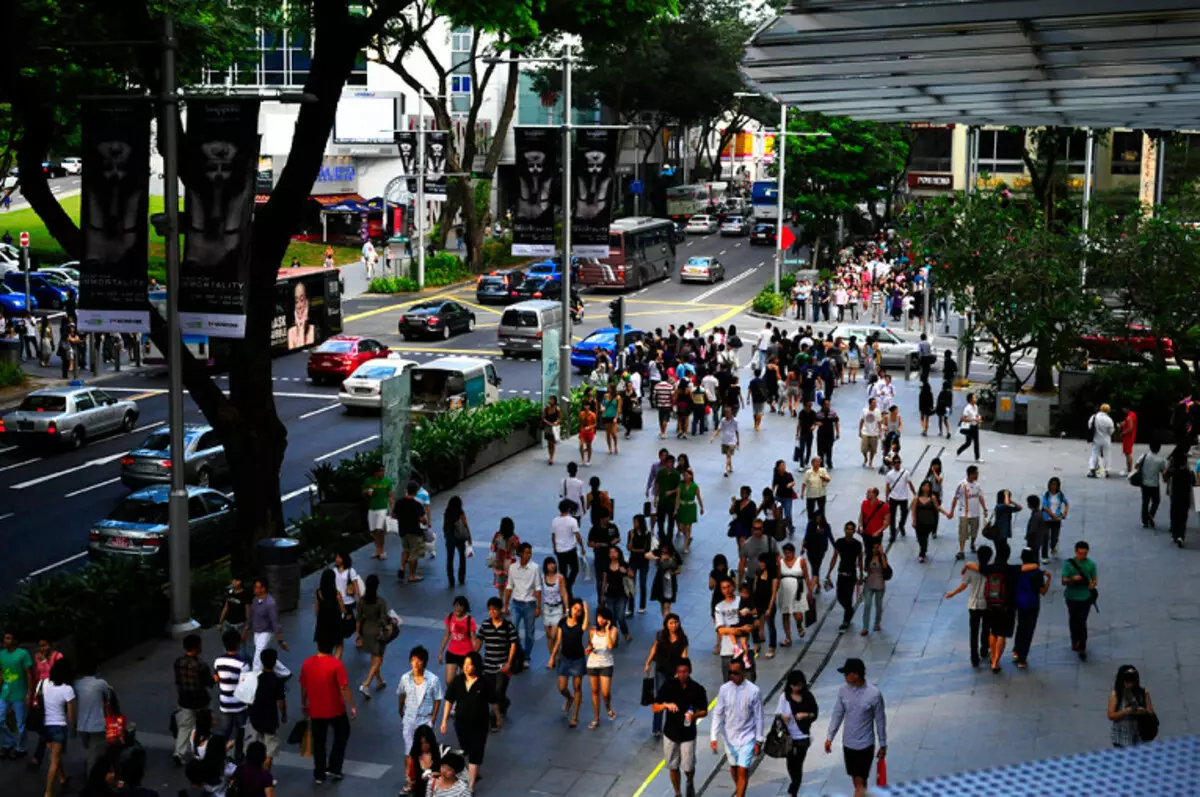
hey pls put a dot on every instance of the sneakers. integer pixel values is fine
(843, 627)
(1045, 560)
(1054, 552)
(364, 691)
(958, 557)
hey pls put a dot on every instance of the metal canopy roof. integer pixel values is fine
(1079, 63)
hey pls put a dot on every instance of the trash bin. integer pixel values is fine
(278, 560)
(10, 351)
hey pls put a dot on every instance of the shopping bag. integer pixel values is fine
(881, 772)
(306, 744)
(810, 614)
(647, 691)
(298, 731)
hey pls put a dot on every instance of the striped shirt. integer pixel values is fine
(497, 644)
(228, 670)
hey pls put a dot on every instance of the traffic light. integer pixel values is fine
(616, 312)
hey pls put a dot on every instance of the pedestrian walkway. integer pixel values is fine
(944, 716)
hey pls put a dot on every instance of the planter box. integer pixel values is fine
(500, 450)
(350, 516)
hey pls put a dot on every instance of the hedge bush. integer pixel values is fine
(441, 269)
(768, 301)
(1148, 391)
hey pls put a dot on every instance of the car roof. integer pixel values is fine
(347, 338)
(159, 493)
(70, 390)
(428, 304)
(535, 304)
(456, 363)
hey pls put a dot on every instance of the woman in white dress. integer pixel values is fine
(795, 585)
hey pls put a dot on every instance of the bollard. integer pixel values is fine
(908, 368)
(137, 350)
(118, 346)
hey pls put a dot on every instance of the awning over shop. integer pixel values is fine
(341, 203)
(1079, 63)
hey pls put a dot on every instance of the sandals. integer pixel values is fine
(787, 643)
(612, 715)
(593, 725)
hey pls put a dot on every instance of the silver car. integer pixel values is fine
(361, 390)
(68, 416)
(893, 350)
(138, 526)
(204, 460)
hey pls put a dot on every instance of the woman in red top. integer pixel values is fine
(43, 660)
(1128, 438)
(459, 639)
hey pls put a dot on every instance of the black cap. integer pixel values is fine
(855, 666)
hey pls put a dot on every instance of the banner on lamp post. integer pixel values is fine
(222, 163)
(406, 143)
(537, 163)
(114, 217)
(591, 214)
(436, 150)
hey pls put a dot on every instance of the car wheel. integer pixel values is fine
(404, 335)
(77, 439)
(127, 423)
(446, 332)
(471, 324)
(204, 478)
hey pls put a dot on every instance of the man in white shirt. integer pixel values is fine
(737, 721)
(900, 492)
(802, 292)
(1102, 428)
(868, 432)
(970, 495)
(764, 340)
(567, 542)
(840, 297)
(524, 593)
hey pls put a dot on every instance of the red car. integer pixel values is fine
(1139, 342)
(336, 358)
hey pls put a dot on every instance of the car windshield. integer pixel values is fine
(375, 371)
(336, 347)
(600, 338)
(44, 404)
(57, 280)
(697, 261)
(134, 510)
(431, 384)
(519, 318)
(158, 441)
(497, 281)
(425, 307)
(734, 220)
(545, 268)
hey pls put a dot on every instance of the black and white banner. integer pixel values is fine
(406, 142)
(114, 217)
(591, 194)
(436, 150)
(222, 164)
(537, 163)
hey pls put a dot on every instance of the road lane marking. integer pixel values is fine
(56, 565)
(19, 464)
(689, 243)
(344, 449)
(391, 307)
(318, 412)
(723, 285)
(723, 317)
(161, 391)
(667, 303)
(93, 487)
(6, 449)
(479, 306)
(294, 493)
(7, 516)
(723, 251)
(89, 464)
(147, 426)
(436, 350)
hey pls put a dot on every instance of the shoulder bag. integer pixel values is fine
(1147, 725)
(1093, 592)
(779, 742)
(1136, 479)
(989, 528)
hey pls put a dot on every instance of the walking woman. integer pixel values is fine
(798, 708)
(766, 591)
(602, 640)
(613, 587)
(1055, 508)
(348, 581)
(690, 501)
(968, 425)
(554, 600)
(328, 607)
(795, 584)
(58, 704)
(1128, 703)
(945, 403)
(631, 407)
(456, 531)
(925, 510)
(1179, 494)
(878, 571)
(926, 406)
(552, 432)
(670, 647)
(505, 544)
(570, 651)
(683, 408)
(817, 539)
(372, 620)
(668, 563)
(610, 413)
(772, 514)
(44, 659)
(783, 484)
(1000, 577)
(470, 698)
(459, 639)
(1032, 584)
(936, 478)
(638, 542)
(45, 342)
(853, 356)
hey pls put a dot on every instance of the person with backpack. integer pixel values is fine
(1032, 584)
(798, 708)
(973, 580)
(999, 592)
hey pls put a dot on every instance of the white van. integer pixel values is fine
(523, 324)
(451, 383)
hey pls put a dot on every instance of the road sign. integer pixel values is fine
(636, 187)
(786, 238)
(24, 240)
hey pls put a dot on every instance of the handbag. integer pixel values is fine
(881, 772)
(779, 742)
(810, 614)
(648, 690)
(389, 629)
(349, 626)
(1135, 478)
(114, 720)
(298, 731)
(35, 719)
(795, 453)
(1094, 594)
(630, 589)
(1147, 725)
(888, 572)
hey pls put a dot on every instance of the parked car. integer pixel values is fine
(203, 458)
(48, 294)
(496, 287)
(583, 353)
(1138, 343)
(702, 269)
(63, 275)
(735, 225)
(340, 356)
(893, 349)
(362, 389)
(701, 224)
(435, 318)
(138, 526)
(764, 234)
(452, 383)
(53, 169)
(72, 165)
(67, 416)
(13, 302)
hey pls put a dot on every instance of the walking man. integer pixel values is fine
(524, 594)
(814, 489)
(262, 622)
(228, 669)
(1102, 428)
(738, 723)
(684, 701)
(326, 699)
(868, 433)
(970, 495)
(16, 693)
(860, 707)
(1152, 466)
(499, 641)
(829, 429)
(805, 423)
(420, 694)
(731, 438)
(566, 539)
(378, 489)
(900, 492)
(193, 679)
(973, 582)
(1079, 581)
(410, 520)
(848, 559)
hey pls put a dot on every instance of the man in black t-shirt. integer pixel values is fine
(848, 559)
(269, 708)
(684, 702)
(233, 613)
(410, 520)
(603, 536)
(829, 428)
(806, 420)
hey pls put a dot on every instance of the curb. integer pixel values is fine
(153, 370)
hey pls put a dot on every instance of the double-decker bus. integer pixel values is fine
(764, 200)
(685, 201)
(640, 251)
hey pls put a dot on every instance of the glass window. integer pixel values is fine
(84, 402)
(1001, 151)
(614, 241)
(196, 508)
(460, 103)
(1127, 152)
(931, 151)
(218, 502)
(208, 440)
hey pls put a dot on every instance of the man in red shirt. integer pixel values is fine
(324, 697)
(872, 517)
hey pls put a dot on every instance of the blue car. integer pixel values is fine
(12, 301)
(552, 268)
(583, 353)
(42, 289)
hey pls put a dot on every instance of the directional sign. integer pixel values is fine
(636, 186)
(24, 240)
(786, 238)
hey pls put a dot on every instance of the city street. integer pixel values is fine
(61, 187)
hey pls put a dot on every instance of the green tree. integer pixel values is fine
(828, 177)
(1013, 275)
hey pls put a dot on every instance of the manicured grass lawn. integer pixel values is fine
(43, 247)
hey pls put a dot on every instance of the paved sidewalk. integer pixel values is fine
(944, 716)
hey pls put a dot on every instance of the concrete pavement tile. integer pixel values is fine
(556, 780)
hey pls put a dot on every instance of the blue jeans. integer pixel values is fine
(233, 727)
(7, 742)
(522, 614)
(876, 595)
(660, 679)
(617, 607)
(786, 503)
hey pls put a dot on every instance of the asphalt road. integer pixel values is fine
(58, 186)
(49, 500)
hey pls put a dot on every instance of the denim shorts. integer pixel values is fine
(572, 667)
(55, 734)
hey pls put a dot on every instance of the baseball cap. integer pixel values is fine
(855, 666)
